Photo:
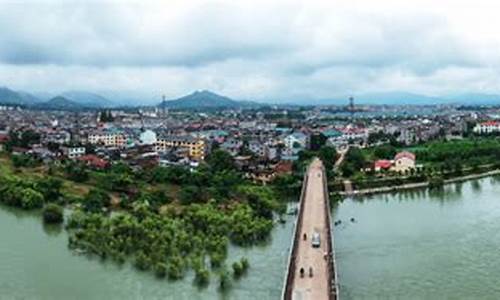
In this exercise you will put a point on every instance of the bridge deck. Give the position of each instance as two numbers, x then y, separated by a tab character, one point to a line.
314	219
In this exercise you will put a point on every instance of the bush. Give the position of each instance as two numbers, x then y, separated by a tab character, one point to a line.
241	267
237	269
436	182
53	214
96	200
160	270
142	261
244	263
224	280
175	268
216	259
202	277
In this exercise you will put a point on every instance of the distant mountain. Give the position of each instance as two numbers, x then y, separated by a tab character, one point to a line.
204	99
474	98
8	96
395	98
88	99
387	98
60	103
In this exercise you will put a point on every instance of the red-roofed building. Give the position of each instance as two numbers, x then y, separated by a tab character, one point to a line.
3	139
94	161
382	164
404	161
405	154
283	167
487	127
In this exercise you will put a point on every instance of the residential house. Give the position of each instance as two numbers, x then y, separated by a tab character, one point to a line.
73	152
195	148
232	146
107	138
487	127
404	161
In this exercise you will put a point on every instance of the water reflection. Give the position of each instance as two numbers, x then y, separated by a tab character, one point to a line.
52	229
476	186
19	213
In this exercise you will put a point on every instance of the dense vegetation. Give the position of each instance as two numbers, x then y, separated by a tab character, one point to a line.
439	160
165	220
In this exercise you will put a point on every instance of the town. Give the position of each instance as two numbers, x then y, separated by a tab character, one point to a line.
264	142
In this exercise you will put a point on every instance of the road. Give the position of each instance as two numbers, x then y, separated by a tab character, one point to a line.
341	158
314	220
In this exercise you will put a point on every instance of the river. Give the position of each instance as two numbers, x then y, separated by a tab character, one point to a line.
421	244
35	263
410	245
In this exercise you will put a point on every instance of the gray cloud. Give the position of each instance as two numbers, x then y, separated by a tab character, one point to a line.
247	49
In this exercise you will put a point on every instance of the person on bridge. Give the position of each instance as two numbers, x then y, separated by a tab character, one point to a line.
305	236
301	272
310	272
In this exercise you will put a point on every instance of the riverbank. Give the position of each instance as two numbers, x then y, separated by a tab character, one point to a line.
409	186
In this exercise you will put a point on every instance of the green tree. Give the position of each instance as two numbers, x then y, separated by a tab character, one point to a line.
202	277
53	214
50	187
190	194
384	152
96	200
220	160
318	140
31	198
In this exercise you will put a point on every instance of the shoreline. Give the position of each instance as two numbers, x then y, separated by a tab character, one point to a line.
409	186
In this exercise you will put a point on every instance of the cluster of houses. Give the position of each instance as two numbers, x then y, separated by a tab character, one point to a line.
263	147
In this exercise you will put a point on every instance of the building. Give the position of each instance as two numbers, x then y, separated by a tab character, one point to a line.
258	148
296	140
487	127
382	164
148	137
94	161
404	161
232	146
56	136
3	140
74	152
196	148
107	138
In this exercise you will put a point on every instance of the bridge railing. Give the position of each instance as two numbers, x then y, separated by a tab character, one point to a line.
288	284
332	270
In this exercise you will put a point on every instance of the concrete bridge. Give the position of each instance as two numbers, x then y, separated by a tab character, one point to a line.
313	218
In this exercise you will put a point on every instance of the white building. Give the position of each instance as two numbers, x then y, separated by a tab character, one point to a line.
74	152
296	139
148	137
487	127
404	161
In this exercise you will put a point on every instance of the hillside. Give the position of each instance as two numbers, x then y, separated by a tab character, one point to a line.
87	99
60	103
202	99
8	96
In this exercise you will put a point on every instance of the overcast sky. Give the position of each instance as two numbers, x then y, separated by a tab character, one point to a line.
251	49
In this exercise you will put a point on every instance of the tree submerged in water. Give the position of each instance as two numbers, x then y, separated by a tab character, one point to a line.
240	267
53	214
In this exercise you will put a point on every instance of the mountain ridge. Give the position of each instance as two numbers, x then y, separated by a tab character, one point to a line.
203	99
